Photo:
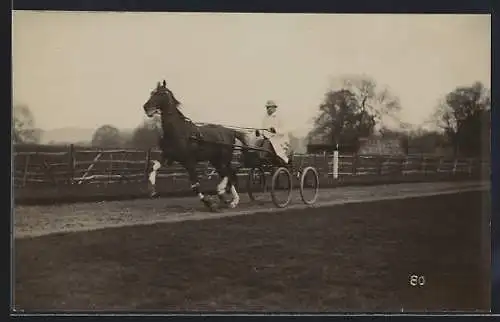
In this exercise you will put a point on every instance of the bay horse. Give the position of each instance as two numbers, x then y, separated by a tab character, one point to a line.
187	143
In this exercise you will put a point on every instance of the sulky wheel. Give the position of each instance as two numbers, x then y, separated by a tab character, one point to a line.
309	185
281	187
256	183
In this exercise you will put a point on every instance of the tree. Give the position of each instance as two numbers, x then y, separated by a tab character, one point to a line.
377	102
146	135
464	116
107	136
23	123
415	139
353	111
342	120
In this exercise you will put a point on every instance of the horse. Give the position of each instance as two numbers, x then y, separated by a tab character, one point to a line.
188	143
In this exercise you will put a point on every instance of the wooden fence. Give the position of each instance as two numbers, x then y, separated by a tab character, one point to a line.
58	166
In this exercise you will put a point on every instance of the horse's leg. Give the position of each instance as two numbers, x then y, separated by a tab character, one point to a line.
221	187
195	185
227	183
156	165
232	185
229	179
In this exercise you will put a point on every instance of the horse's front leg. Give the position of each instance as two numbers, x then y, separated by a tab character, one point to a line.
156	165
195	186
224	184
228	184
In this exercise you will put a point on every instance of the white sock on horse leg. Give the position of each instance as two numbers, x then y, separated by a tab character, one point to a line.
236	197
156	165
152	177
152	174
221	187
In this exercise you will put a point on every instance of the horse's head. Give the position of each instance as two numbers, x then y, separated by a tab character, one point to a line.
161	100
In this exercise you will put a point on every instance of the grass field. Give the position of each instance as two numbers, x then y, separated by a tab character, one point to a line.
355	257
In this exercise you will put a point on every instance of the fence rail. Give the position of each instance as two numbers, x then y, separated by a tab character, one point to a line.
74	166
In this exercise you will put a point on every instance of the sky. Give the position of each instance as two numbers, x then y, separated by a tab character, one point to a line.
86	69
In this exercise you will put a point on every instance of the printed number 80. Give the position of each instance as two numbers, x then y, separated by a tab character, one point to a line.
416	280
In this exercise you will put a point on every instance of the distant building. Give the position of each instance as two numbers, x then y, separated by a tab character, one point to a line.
371	145
318	144
297	144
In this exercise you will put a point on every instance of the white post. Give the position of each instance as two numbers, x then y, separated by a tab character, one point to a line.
336	163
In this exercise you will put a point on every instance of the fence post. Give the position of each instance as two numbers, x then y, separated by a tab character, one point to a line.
48	172
424	164
71	164
455	166
403	164
335	164
380	161
440	162
146	167
354	164
26	167
471	162
110	171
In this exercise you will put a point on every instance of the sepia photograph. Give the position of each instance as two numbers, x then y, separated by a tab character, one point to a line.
250	162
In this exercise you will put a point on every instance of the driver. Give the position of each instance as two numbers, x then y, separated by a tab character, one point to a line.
272	121
274	130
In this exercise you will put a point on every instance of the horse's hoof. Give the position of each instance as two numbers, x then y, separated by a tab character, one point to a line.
232	205
154	195
213	207
210	205
223	202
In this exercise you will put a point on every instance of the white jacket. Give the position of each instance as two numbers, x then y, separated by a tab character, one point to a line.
279	140
273	121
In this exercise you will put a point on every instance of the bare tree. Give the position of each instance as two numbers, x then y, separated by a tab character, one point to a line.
375	101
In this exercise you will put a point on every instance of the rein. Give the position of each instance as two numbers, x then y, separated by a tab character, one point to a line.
187	119
232	127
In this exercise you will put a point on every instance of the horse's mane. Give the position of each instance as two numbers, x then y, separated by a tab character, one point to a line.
176	101
181	114
177	105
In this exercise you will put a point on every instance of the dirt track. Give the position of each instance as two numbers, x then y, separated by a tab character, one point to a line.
42	220
353	257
